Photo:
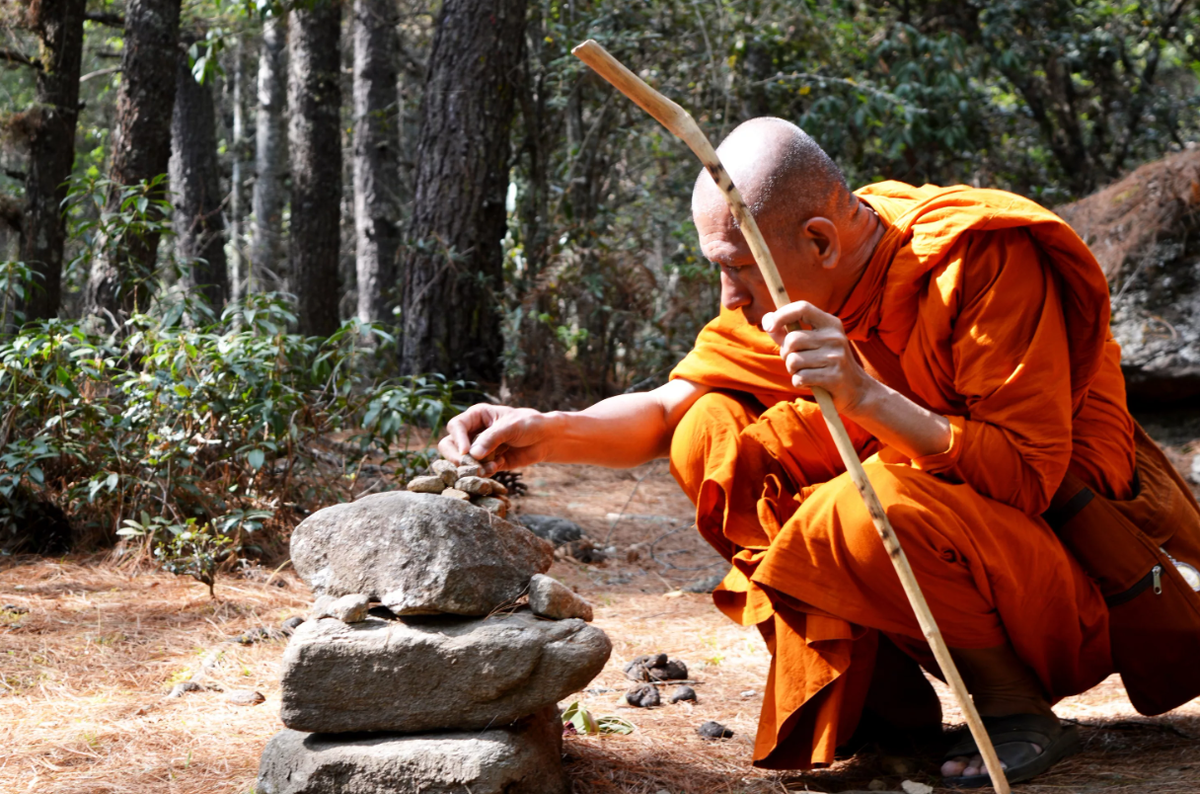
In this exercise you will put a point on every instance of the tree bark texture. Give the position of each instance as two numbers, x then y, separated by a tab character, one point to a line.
314	139
453	265
376	179
196	187
59	26
141	148
237	258
270	159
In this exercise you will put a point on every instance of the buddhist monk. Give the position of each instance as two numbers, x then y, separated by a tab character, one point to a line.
963	335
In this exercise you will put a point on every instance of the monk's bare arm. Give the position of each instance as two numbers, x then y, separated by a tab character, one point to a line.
619	432
821	356
899	422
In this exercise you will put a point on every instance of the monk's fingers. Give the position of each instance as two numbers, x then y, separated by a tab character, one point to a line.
824	339
800	313
449	448
825	377
463	427
488	442
515	428
816	358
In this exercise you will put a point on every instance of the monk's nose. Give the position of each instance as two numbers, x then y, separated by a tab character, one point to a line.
734	294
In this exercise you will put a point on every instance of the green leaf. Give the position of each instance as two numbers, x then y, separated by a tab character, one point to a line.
256	458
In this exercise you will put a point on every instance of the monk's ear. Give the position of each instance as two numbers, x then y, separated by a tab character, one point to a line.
822	234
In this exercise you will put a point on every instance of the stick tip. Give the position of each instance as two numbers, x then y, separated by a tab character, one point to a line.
583	47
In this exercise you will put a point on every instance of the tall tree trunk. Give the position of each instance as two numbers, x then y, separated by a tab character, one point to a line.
196	187
451	324
59	26
237	259
270	158
314	139
141	149
376	180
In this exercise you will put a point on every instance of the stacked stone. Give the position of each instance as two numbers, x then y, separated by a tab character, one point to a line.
442	687
465	483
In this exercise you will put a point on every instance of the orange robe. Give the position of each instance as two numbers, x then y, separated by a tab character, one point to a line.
981	306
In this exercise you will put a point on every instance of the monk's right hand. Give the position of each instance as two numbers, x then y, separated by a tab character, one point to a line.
499	436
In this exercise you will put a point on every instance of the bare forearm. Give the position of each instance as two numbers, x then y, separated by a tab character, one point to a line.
622	431
900	423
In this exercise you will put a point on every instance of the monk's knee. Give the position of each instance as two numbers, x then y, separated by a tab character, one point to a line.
893	484
709	427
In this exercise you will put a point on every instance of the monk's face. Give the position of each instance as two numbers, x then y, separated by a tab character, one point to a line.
801	252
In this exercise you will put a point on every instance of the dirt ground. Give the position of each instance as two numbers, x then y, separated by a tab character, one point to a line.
85	671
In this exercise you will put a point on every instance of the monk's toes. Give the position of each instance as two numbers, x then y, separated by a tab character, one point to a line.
954	767
976	766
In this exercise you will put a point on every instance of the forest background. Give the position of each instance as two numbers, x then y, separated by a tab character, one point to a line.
253	251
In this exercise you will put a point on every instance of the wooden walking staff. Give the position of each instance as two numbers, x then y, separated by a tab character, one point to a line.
683	126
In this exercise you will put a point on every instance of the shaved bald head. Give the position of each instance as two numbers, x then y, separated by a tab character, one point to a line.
781	172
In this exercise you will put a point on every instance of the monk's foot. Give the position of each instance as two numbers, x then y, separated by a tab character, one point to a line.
1026	744
969	766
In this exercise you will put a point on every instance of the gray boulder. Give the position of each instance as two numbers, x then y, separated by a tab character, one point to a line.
429	674
556	530
1143	231
524	758
418	554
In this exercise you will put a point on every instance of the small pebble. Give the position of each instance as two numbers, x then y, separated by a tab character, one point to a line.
749	693
446	470
683	693
656	667
467	460
182	687
913	787
351	608
877	785
706	585
252	636
896	766
454	493
492	505
427	483
643	696
550	598
714	730
673	670
348	609
245	697
476	486
291	624
498	488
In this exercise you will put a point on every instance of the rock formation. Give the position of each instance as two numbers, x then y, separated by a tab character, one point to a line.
446	686
1145	231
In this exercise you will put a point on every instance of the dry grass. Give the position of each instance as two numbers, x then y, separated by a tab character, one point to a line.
84	674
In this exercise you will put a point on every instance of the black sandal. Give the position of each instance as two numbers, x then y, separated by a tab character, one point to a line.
1021	761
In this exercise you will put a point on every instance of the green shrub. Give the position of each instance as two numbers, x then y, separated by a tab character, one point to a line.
205	427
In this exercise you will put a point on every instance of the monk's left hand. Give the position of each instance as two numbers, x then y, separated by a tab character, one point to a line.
820	356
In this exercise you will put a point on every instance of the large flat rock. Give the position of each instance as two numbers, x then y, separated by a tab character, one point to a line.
524	758
429	674
418	554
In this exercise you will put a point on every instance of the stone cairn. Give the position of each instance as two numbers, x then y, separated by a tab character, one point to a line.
464	483
415	672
